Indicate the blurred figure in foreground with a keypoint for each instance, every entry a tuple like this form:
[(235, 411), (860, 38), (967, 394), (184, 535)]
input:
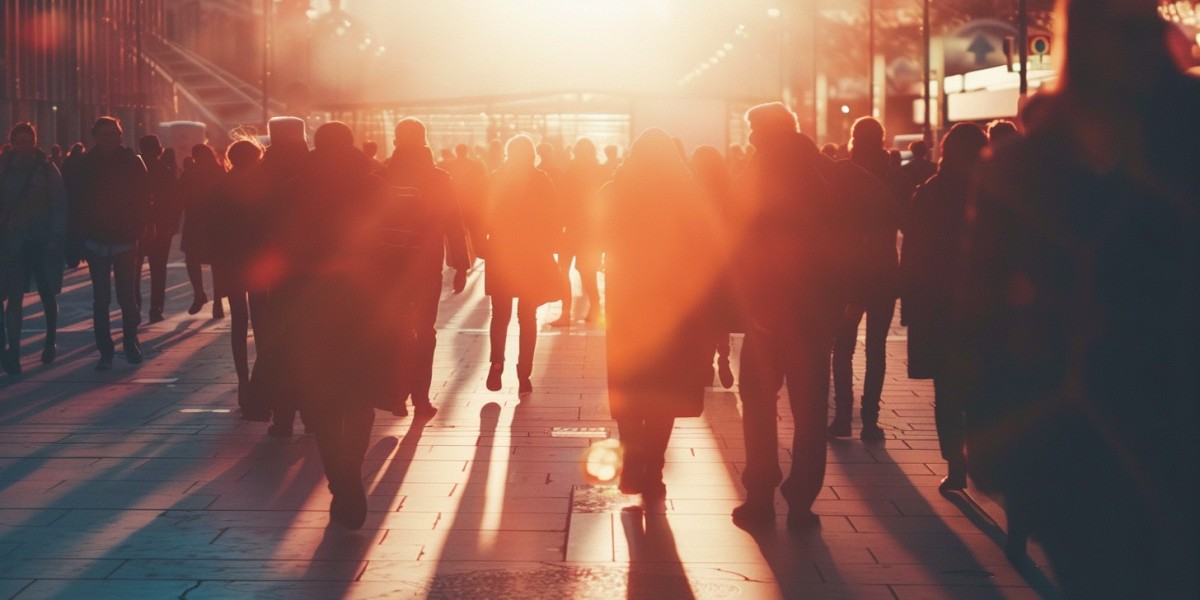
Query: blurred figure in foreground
[(659, 282), (33, 230), (1079, 312)]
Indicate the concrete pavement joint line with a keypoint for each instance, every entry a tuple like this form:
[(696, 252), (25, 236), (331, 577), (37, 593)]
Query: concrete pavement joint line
[(745, 578), (185, 593)]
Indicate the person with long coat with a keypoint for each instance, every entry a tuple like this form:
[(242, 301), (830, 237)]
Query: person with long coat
[(1079, 311), (521, 230), (198, 184), (659, 283), (933, 231), (33, 229)]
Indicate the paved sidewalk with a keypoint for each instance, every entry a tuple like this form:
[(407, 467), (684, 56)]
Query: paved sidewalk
[(143, 483)]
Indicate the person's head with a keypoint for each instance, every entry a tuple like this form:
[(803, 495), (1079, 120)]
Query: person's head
[(106, 132), (334, 135), (23, 138), (76, 149), (150, 147), (410, 134), (243, 154), (866, 134), (894, 157), (653, 150), (446, 154), (370, 148), (545, 152), (962, 147), (584, 150), (1115, 50), (56, 151), (462, 150), (519, 151), (830, 149), (1001, 131), (919, 149), (610, 152), (708, 163), (771, 125), (204, 156)]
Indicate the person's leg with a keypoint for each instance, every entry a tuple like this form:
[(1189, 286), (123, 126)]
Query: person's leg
[(100, 272), (425, 311), (656, 434), (724, 371), (527, 343), (843, 374), (950, 420), (50, 309), (196, 276), (256, 406), (502, 307), (125, 278), (629, 430), (761, 379), (158, 255), (239, 329), (808, 394), (13, 314), (564, 283), (879, 321), (591, 290)]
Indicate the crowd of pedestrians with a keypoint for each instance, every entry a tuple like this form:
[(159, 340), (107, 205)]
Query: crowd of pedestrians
[(1047, 280)]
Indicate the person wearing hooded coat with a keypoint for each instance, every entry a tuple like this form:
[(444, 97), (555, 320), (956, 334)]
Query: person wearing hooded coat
[(659, 318), (327, 249)]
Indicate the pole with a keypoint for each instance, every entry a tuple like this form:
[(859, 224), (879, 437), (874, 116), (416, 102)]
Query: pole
[(925, 38), (266, 64), (1023, 44)]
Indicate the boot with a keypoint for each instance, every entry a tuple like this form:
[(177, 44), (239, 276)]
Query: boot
[(870, 425), (956, 478), (840, 427), (524, 385), (495, 377)]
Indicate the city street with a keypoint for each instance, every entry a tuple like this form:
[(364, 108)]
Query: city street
[(142, 482)]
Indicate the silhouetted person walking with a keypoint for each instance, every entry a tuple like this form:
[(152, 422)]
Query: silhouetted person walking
[(522, 227), (918, 168), (33, 230), (432, 234), (328, 248), (710, 172), (876, 222), (659, 282), (578, 200), (1079, 310), (110, 209), (166, 209), (933, 233), (471, 185), (783, 227), (197, 184)]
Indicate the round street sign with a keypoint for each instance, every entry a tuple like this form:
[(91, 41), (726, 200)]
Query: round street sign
[(1039, 44)]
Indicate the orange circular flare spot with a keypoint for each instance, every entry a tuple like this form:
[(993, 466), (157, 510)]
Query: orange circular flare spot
[(602, 462)]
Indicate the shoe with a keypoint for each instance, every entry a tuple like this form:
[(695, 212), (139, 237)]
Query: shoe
[(956, 479), (724, 373), (755, 512), (349, 509), (632, 476), (400, 409), (156, 316), (563, 321), (198, 303), (218, 309), (871, 433), (840, 427), (423, 410), (133, 353), (494, 382), (524, 386), (49, 353), (105, 363), (799, 521)]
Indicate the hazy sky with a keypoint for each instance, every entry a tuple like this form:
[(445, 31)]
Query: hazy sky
[(449, 48)]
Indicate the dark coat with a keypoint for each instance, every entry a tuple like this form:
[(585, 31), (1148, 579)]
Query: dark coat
[(522, 231), (199, 185), (166, 208), (658, 286), (873, 192), (109, 197), (426, 217), (34, 225), (933, 231)]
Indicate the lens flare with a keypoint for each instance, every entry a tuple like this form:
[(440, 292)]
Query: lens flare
[(602, 462)]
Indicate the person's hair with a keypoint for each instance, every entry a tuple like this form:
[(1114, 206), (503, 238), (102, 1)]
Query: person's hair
[(961, 147), (204, 155), (334, 134), (106, 121), (918, 148), (830, 149), (1000, 130), (611, 151), (243, 153), (546, 151), (585, 150), (76, 148), (519, 150), (867, 132), (772, 117), (22, 127)]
